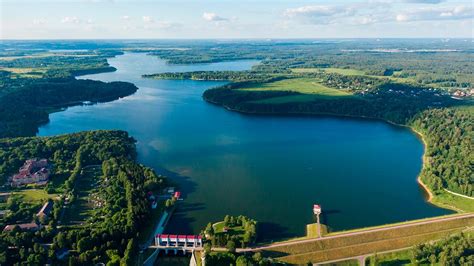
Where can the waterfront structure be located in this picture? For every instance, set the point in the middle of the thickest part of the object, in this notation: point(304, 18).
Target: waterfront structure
point(317, 212)
point(186, 241)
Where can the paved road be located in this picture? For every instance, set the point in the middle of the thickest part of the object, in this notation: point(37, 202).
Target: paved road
point(390, 227)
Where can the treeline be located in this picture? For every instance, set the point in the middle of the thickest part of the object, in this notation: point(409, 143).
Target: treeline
point(448, 131)
point(110, 234)
point(212, 75)
point(454, 250)
point(23, 110)
point(26, 99)
point(238, 231)
point(444, 65)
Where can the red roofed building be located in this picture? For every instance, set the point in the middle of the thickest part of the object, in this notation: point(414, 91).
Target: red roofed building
point(32, 172)
point(316, 209)
point(24, 227)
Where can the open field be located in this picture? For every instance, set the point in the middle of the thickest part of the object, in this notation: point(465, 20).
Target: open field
point(342, 71)
point(309, 89)
point(301, 85)
point(369, 241)
point(445, 199)
point(35, 195)
point(79, 210)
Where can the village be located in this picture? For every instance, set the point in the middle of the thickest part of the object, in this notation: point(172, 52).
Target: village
point(34, 172)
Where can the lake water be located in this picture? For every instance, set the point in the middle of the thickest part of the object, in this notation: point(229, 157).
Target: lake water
point(270, 168)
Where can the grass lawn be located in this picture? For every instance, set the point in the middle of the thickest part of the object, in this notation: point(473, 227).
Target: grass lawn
point(35, 195)
point(79, 210)
point(448, 199)
point(236, 230)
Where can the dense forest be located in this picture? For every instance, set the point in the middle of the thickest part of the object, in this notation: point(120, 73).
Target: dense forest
point(110, 233)
point(454, 250)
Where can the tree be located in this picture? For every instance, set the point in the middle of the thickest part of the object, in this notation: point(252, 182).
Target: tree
point(226, 220)
point(242, 261)
point(231, 246)
point(257, 257)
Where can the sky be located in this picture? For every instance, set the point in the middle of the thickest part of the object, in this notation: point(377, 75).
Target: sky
point(209, 19)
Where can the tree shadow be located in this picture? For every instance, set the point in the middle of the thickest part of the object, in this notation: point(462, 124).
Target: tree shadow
point(268, 231)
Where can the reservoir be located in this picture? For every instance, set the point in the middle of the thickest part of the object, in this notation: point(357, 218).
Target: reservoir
point(270, 168)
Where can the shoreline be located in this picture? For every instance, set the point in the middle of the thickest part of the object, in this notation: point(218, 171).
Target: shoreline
point(431, 195)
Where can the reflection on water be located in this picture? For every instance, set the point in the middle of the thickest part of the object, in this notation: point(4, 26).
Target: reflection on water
point(270, 168)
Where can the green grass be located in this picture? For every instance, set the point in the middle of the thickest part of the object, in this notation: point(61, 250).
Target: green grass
point(392, 258)
point(445, 199)
point(233, 231)
point(309, 89)
point(35, 195)
point(301, 85)
point(312, 230)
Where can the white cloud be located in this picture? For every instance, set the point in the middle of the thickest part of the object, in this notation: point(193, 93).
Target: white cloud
point(148, 19)
point(424, 1)
point(71, 20)
point(209, 16)
point(439, 13)
point(401, 17)
point(320, 14)
point(316, 11)
point(126, 17)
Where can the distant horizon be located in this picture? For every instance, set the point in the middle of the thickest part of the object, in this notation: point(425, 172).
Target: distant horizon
point(212, 19)
point(243, 39)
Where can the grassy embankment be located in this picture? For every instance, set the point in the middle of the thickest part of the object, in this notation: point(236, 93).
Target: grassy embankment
point(367, 242)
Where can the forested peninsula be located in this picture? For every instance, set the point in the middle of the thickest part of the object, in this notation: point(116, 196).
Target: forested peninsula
point(36, 85)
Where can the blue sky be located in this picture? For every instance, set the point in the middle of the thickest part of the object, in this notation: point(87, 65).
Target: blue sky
point(123, 19)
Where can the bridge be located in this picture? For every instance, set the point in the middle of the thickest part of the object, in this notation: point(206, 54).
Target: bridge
point(177, 243)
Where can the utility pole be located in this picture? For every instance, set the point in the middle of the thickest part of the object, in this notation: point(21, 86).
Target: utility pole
point(317, 212)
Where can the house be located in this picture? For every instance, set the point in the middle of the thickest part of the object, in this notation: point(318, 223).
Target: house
point(45, 210)
point(33, 171)
point(23, 227)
